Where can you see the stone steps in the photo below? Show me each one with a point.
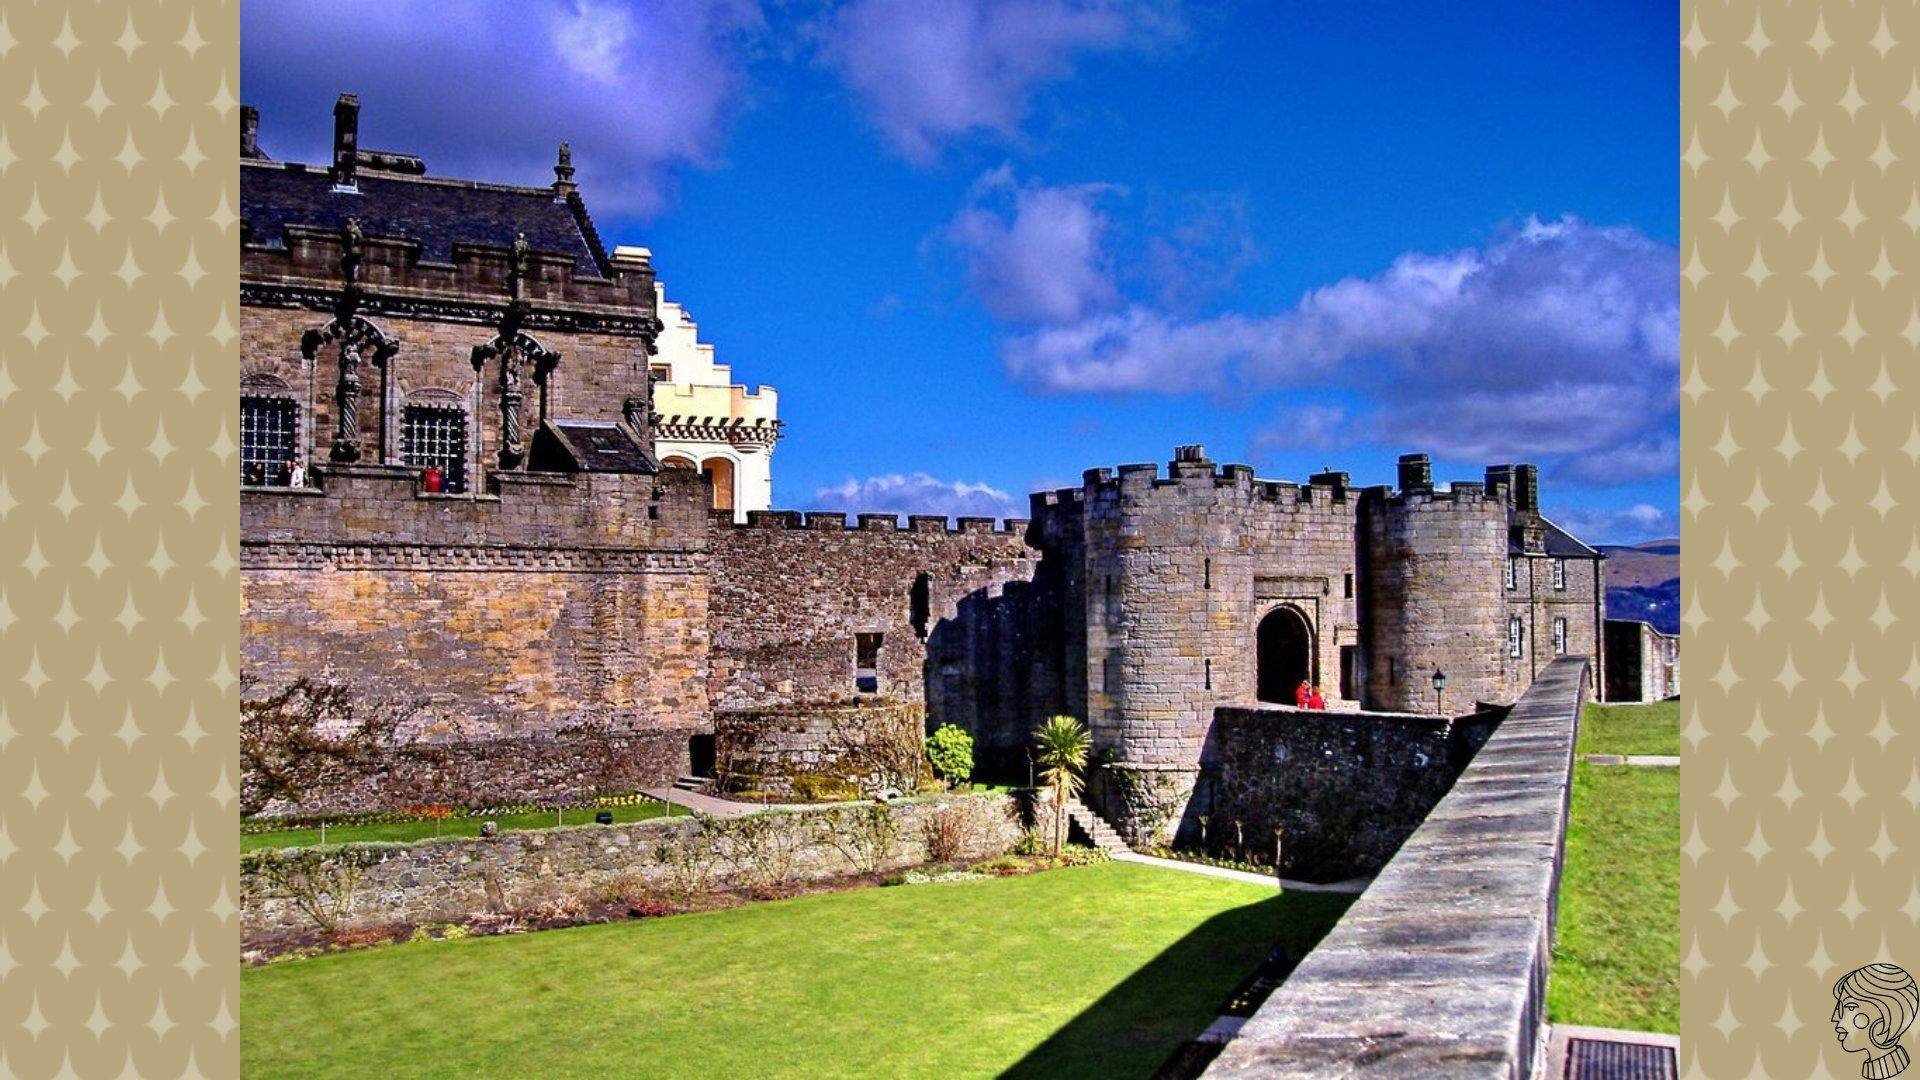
(700, 784)
(1094, 827)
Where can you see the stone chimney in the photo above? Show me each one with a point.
(346, 139)
(250, 132)
(1416, 473)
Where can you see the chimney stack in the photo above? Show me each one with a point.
(346, 139)
(249, 132)
(1416, 473)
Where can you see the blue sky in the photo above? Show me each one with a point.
(983, 245)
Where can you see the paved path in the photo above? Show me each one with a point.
(1590, 1053)
(1665, 761)
(1352, 886)
(710, 806)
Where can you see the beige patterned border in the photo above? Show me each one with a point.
(117, 520)
(1799, 213)
(118, 516)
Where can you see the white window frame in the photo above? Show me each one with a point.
(1559, 573)
(1516, 637)
(1513, 571)
(1560, 636)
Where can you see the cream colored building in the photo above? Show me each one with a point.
(709, 422)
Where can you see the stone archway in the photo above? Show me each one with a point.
(1285, 641)
(720, 473)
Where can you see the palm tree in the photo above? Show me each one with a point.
(1061, 744)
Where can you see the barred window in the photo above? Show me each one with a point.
(1516, 637)
(436, 435)
(269, 440)
(1559, 637)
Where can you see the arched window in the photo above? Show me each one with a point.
(720, 474)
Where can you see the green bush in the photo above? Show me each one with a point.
(950, 750)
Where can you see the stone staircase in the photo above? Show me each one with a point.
(700, 785)
(1093, 827)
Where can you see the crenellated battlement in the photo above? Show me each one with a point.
(837, 521)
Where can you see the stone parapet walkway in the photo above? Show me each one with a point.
(710, 805)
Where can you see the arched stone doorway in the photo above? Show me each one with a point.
(1285, 654)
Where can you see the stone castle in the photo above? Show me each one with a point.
(454, 494)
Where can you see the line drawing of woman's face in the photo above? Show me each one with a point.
(1852, 1025)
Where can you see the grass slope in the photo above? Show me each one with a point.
(1617, 962)
(420, 830)
(1653, 728)
(1096, 971)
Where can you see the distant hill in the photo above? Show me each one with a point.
(1643, 582)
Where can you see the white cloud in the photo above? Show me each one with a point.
(919, 493)
(931, 72)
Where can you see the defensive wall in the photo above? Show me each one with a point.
(1325, 795)
(458, 877)
(1440, 968)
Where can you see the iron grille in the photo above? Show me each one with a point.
(269, 433)
(436, 435)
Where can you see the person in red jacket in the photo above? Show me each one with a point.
(1302, 694)
(1315, 700)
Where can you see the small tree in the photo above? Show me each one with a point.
(950, 750)
(1061, 745)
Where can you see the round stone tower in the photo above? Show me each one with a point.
(1177, 574)
(1435, 594)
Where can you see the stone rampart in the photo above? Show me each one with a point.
(794, 598)
(1440, 968)
(457, 877)
(558, 609)
(859, 748)
(1328, 794)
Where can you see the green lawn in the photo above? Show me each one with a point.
(1095, 971)
(1653, 728)
(419, 830)
(1617, 963)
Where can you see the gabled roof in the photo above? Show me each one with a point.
(1559, 543)
(436, 212)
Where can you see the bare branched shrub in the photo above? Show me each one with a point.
(951, 832)
(866, 836)
(310, 736)
(322, 886)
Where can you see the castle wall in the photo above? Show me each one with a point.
(561, 605)
(1436, 597)
(1325, 795)
(791, 595)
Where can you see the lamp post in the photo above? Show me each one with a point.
(1439, 684)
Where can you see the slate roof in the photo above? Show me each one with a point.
(589, 446)
(436, 212)
(1561, 543)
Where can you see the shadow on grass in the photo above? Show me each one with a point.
(1134, 1027)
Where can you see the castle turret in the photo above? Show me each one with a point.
(1204, 588)
(1435, 600)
